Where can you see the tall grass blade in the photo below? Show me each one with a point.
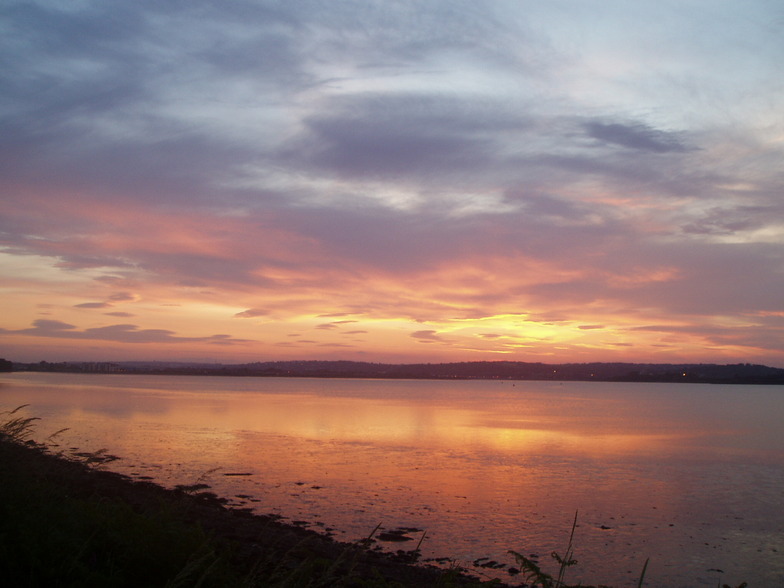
(567, 560)
(642, 574)
(420, 540)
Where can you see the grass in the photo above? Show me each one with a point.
(54, 534)
(534, 574)
(16, 427)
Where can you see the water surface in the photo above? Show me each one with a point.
(689, 475)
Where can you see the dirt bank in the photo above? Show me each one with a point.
(44, 496)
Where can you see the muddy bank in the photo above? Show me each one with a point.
(39, 488)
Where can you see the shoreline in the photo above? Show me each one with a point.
(249, 544)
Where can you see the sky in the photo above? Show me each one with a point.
(392, 181)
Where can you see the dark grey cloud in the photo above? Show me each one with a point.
(720, 278)
(617, 172)
(121, 333)
(729, 221)
(203, 269)
(427, 336)
(635, 136)
(703, 279)
(759, 334)
(60, 63)
(112, 97)
(74, 260)
(48, 325)
(374, 238)
(121, 99)
(402, 137)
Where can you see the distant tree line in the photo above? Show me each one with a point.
(742, 373)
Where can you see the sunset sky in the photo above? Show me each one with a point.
(394, 181)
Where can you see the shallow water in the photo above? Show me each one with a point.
(689, 475)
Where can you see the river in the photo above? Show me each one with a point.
(688, 475)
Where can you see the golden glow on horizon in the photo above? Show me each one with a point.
(517, 337)
(223, 323)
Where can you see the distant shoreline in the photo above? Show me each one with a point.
(743, 373)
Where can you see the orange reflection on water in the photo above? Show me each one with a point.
(423, 422)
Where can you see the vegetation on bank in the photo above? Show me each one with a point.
(66, 522)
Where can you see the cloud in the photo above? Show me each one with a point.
(427, 336)
(252, 313)
(121, 333)
(635, 136)
(334, 325)
(439, 163)
(93, 305)
(731, 221)
(409, 136)
(47, 326)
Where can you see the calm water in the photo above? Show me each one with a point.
(689, 475)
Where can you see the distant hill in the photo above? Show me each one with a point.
(742, 373)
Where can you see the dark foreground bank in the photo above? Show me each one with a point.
(65, 523)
